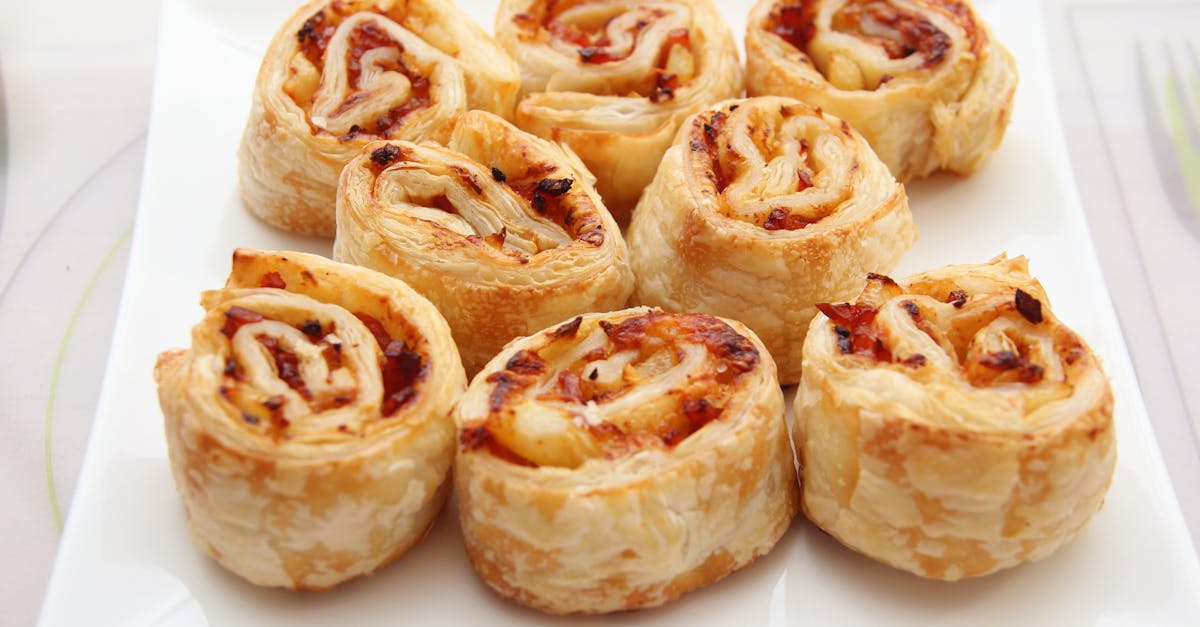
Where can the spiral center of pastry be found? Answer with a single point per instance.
(363, 74)
(993, 340)
(864, 44)
(626, 47)
(611, 389)
(301, 370)
(515, 215)
(781, 168)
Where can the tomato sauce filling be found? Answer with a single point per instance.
(858, 334)
(578, 384)
(595, 48)
(794, 22)
(665, 83)
(401, 367)
(1023, 370)
(592, 49)
(917, 35)
(706, 132)
(780, 219)
(550, 197)
(706, 139)
(313, 38)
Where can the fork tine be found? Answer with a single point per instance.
(1187, 140)
(1171, 137)
(1181, 114)
(1195, 75)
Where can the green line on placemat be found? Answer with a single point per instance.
(1185, 152)
(47, 436)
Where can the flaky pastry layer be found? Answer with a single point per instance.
(613, 79)
(617, 461)
(923, 80)
(950, 425)
(503, 231)
(341, 74)
(308, 426)
(762, 208)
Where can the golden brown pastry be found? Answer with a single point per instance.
(501, 230)
(619, 460)
(923, 80)
(950, 425)
(613, 79)
(309, 424)
(762, 208)
(340, 74)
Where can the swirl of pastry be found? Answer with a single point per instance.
(950, 425)
(619, 460)
(613, 79)
(340, 74)
(923, 80)
(503, 231)
(763, 208)
(309, 426)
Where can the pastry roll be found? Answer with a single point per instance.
(923, 80)
(619, 460)
(309, 426)
(763, 208)
(950, 425)
(614, 78)
(503, 231)
(341, 74)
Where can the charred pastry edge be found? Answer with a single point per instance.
(385, 155)
(567, 330)
(882, 278)
(1029, 307)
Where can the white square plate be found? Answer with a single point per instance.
(125, 558)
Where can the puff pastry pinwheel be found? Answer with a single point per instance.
(619, 460)
(950, 425)
(763, 208)
(923, 80)
(342, 73)
(308, 425)
(614, 78)
(503, 231)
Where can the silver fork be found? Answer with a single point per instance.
(1175, 137)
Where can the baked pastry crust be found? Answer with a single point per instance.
(613, 79)
(340, 74)
(309, 426)
(619, 460)
(950, 425)
(923, 80)
(763, 208)
(503, 231)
